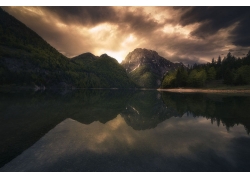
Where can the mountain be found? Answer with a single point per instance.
(28, 60)
(146, 67)
(84, 58)
(25, 58)
(107, 69)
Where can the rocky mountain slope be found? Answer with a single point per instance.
(146, 67)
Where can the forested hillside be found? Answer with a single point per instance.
(229, 70)
(27, 60)
(103, 71)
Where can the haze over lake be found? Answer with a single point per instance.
(115, 130)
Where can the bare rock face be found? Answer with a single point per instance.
(150, 60)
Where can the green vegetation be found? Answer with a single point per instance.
(227, 110)
(231, 71)
(27, 60)
(103, 71)
(143, 77)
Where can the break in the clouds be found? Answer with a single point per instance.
(186, 34)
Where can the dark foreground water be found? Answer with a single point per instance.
(113, 130)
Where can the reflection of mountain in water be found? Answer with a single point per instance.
(227, 110)
(102, 105)
(26, 117)
(146, 109)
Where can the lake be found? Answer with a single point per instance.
(118, 130)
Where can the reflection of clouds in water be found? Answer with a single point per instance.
(167, 138)
(175, 137)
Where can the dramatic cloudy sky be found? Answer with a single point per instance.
(187, 34)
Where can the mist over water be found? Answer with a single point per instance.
(115, 130)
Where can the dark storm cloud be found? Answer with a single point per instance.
(189, 51)
(65, 40)
(139, 22)
(83, 15)
(238, 51)
(134, 20)
(241, 34)
(213, 19)
(129, 20)
(180, 34)
(68, 29)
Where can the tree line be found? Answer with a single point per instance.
(230, 70)
(221, 110)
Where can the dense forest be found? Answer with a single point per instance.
(27, 60)
(220, 109)
(229, 70)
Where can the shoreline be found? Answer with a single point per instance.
(190, 90)
(236, 89)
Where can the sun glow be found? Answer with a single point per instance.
(129, 40)
(176, 29)
(119, 56)
(103, 31)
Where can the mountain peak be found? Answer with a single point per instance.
(104, 55)
(84, 58)
(86, 55)
(143, 64)
(141, 53)
(144, 50)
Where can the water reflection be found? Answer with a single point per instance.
(124, 131)
(146, 109)
(27, 116)
(227, 110)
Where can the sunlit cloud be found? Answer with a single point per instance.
(188, 34)
(176, 138)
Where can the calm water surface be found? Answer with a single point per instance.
(114, 130)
